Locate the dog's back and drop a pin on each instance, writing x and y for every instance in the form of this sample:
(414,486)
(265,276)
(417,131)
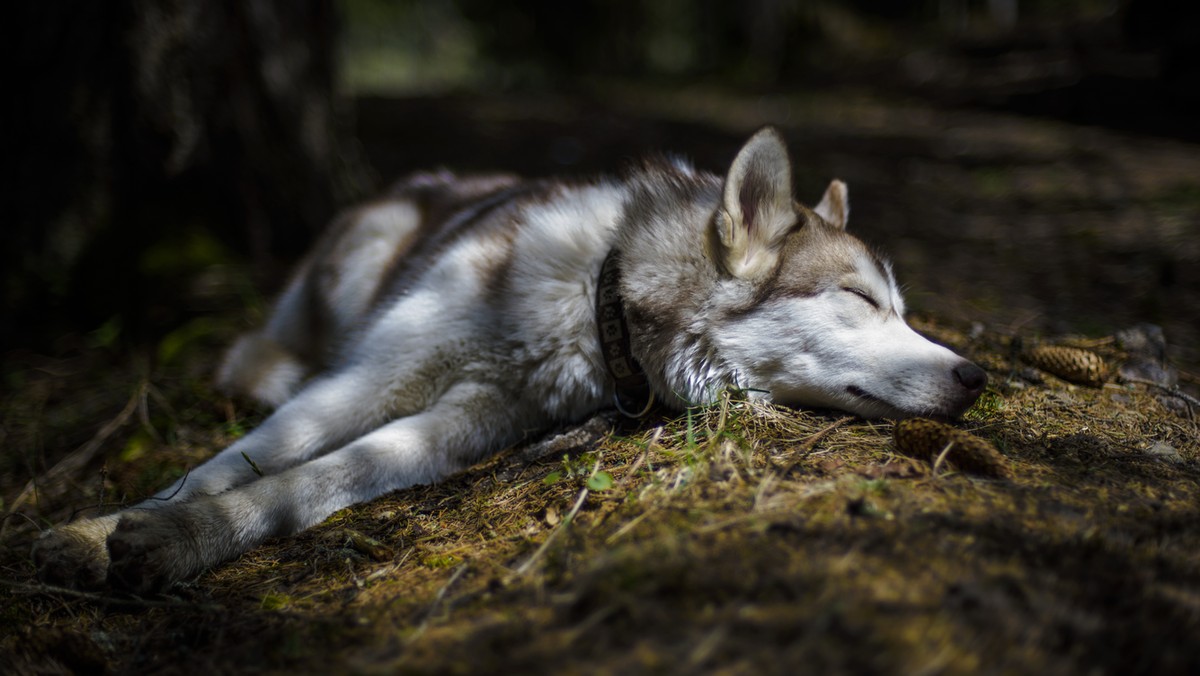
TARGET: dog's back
(514,238)
(369,252)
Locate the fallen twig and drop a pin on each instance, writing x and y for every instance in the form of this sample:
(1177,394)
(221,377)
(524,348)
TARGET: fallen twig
(1172,391)
(79,458)
(812,440)
(941,457)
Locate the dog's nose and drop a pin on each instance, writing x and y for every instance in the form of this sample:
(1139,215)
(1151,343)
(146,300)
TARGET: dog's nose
(970,376)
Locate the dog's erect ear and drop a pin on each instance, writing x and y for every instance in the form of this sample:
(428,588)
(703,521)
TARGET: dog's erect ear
(757,210)
(835,205)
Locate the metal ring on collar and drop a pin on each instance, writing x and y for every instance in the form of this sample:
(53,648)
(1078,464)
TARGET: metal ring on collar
(627,414)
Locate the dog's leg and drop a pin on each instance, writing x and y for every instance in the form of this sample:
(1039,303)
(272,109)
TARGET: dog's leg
(152,548)
(325,415)
(75,554)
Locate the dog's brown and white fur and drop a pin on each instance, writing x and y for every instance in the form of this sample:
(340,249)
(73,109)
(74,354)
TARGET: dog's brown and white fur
(456,316)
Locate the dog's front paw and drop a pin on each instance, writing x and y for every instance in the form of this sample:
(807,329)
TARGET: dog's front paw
(149,550)
(75,555)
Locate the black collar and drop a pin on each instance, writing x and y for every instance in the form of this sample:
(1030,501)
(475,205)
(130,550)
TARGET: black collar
(632,387)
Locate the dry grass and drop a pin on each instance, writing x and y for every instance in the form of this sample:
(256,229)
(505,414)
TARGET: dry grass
(742,537)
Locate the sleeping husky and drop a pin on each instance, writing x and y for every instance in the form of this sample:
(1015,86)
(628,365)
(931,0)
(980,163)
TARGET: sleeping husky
(456,316)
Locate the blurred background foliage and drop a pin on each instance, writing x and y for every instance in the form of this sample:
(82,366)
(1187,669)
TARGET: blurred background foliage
(164,153)
(394,47)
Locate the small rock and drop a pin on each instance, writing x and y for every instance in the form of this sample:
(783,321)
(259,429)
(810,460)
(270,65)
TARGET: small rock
(1176,404)
(1011,386)
(1031,376)
(1145,340)
(1145,370)
(1062,398)
(366,545)
(1164,451)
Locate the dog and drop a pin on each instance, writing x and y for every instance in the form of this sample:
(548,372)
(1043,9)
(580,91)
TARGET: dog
(454,317)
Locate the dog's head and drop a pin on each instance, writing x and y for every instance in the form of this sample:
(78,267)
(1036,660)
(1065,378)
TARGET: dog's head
(827,326)
(782,300)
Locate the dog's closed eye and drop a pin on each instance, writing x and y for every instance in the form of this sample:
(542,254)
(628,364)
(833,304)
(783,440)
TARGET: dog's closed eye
(862,294)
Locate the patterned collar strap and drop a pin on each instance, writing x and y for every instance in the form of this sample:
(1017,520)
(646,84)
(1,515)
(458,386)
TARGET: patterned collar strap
(633,396)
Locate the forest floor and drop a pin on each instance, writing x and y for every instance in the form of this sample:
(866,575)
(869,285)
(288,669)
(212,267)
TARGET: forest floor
(741,538)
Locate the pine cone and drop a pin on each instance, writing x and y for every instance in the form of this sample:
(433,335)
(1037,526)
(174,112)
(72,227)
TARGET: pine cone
(1069,363)
(925,439)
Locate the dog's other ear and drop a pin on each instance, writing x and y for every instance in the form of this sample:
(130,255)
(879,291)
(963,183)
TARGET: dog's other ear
(757,210)
(835,205)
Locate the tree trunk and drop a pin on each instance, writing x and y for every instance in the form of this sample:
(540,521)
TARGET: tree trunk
(139,123)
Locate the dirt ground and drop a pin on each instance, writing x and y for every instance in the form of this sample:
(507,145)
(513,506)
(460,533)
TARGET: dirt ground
(740,538)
